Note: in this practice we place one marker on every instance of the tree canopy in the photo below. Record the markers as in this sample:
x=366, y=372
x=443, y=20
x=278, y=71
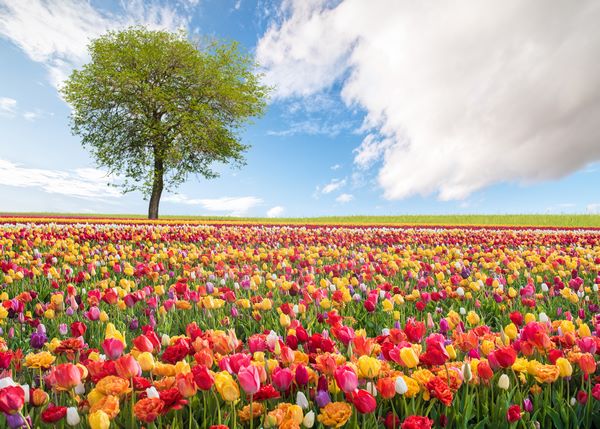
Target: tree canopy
x=154, y=107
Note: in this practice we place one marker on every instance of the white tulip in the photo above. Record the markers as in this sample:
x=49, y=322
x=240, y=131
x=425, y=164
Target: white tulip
x=151, y=392
x=79, y=389
x=371, y=389
x=73, y=418
x=467, y=372
x=504, y=382
x=7, y=381
x=301, y=400
x=25, y=388
x=401, y=387
x=309, y=419
x=460, y=291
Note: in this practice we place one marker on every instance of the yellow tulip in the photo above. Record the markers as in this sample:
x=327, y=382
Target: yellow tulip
x=511, y=331
x=409, y=357
x=564, y=367
x=368, y=367
x=99, y=420
x=146, y=361
x=226, y=386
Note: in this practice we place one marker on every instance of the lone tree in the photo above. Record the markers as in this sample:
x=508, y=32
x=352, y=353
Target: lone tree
x=154, y=107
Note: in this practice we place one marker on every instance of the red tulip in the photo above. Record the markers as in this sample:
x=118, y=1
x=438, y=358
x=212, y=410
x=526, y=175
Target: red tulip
x=12, y=399
x=513, y=414
x=587, y=363
x=127, y=367
x=386, y=387
x=436, y=353
x=346, y=378
x=554, y=354
x=143, y=344
x=301, y=375
x=202, y=376
x=364, y=402
x=596, y=391
x=78, y=329
x=414, y=330
x=186, y=385
x=484, y=371
x=66, y=376
x=53, y=413
x=392, y=421
x=417, y=422
x=505, y=356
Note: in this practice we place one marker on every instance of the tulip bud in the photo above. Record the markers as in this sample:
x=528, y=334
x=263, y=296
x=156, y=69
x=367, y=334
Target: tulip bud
x=401, y=387
x=73, y=418
x=504, y=382
x=39, y=398
x=309, y=419
x=467, y=372
x=79, y=389
x=301, y=400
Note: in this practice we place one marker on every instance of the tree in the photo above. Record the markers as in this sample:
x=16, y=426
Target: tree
x=153, y=107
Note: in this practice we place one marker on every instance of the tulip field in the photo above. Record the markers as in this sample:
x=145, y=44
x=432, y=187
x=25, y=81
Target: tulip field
x=126, y=323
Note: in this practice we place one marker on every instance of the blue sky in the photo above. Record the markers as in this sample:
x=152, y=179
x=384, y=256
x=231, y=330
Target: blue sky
x=359, y=122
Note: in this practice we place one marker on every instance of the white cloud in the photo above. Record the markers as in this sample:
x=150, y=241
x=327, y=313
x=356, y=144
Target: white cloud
x=312, y=127
x=275, y=211
x=31, y=116
x=371, y=150
x=334, y=185
x=237, y=5
x=88, y=183
x=344, y=198
x=56, y=32
x=335, y=167
x=7, y=106
x=458, y=95
x=235, y=206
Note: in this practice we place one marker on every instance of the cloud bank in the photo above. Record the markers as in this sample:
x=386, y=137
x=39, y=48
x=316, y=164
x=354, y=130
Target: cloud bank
x=87, y=183
x=235, y=206
x=56, y=32
x=457, y=95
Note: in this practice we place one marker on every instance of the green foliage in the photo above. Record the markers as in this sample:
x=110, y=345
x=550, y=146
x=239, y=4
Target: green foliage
x=149, y=96
x=553, y=221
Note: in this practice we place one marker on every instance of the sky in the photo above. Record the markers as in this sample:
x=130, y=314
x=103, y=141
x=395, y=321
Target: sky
x=378, y=108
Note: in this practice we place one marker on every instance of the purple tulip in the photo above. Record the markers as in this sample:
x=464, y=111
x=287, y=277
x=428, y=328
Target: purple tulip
x=322, y=398
x=37, y=340
x=528, y=405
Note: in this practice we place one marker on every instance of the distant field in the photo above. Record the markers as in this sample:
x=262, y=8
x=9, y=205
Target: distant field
x=504, y=220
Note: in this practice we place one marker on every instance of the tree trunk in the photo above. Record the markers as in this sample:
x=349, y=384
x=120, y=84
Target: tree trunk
x=157, y=185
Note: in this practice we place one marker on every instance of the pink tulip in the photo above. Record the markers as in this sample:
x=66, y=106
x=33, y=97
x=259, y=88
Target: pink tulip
x=113, y=348
x=249, y=378
x=282, y=378
x=346, y=378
